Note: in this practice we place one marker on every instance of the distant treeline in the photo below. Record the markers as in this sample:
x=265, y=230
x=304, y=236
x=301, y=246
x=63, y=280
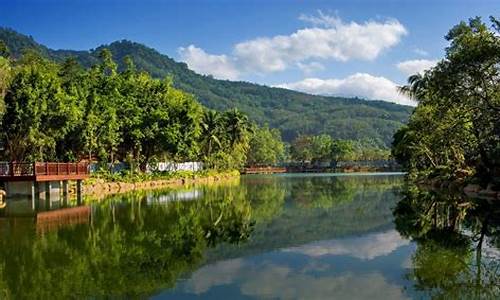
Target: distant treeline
x=290, y=111
x=63, y=112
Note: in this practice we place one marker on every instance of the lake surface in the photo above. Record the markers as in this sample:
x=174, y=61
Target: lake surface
x=289, y=236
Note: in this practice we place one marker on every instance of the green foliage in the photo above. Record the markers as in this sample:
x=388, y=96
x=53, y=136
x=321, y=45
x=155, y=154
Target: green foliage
x=64, y=112
x=291, y=112
x=450, y=232
x=266, y=147
x=323, y=148
x=5, y=74
x=129, y=248
x=455, y=130
x=225, y=139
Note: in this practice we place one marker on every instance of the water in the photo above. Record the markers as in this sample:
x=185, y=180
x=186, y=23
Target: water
x=260, y=237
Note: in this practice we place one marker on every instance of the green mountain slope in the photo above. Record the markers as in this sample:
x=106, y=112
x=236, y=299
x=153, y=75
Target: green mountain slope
x=292, y=112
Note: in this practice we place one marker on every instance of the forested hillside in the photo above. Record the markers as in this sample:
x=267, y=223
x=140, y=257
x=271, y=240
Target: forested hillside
x=292, y=112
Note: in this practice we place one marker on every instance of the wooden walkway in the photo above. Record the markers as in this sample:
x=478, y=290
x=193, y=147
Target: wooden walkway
x=43, y=171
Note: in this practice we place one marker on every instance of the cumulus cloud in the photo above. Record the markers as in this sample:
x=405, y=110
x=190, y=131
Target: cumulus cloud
x=337, y=41
x=220, y=66
x=270, y=280
x=277, y=282
x=329, y=38
x=366, y=247
x=311, y=67
x=410, y=67
x=359, y=84
x=220, y=273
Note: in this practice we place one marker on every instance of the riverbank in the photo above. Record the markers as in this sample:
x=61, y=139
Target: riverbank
x=100, y=188
x=490, y=191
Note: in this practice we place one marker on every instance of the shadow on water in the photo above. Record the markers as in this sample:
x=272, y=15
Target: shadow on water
x=458, y=241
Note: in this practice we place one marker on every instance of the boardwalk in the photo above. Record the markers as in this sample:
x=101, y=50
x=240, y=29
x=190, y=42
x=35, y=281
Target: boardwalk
x=43, y=171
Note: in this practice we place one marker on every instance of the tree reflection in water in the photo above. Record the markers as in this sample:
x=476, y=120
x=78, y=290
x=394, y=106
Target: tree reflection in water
x=457, y=240
x=128, y=249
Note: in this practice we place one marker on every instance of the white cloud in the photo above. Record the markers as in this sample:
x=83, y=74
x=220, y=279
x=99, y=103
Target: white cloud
x=309, y=68
x=410, y=67
x=220, y=66
x=339, y=41
x=220, y=273
x=278, y=282
x=420, y=52
x=329, y=38
x=321, y=19
x=359, y=84
x=366, y=247
x=265, y=280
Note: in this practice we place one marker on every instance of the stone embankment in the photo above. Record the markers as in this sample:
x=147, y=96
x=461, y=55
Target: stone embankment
x=99, y=188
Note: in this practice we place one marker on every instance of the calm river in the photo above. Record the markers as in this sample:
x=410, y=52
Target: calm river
x=286, y=236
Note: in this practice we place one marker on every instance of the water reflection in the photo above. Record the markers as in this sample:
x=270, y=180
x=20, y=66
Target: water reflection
x=364, y=247
x=287, y=237
x=127, y=248
x=457, y=240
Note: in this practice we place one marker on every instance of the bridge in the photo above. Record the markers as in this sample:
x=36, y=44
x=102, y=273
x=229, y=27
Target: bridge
x=43, y=171
x=25, y=179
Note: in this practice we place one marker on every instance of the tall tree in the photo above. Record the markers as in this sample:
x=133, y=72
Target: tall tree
x=456, y=126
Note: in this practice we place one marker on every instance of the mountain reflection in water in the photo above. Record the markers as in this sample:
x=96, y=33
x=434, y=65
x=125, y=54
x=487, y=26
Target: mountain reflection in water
x=264, y=236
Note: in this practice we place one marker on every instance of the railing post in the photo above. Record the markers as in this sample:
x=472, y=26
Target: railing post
x=46, y=168
x=34, y=168
x=11, y=169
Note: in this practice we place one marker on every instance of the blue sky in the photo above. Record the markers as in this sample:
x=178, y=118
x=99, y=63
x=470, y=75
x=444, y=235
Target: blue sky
x=353, y=48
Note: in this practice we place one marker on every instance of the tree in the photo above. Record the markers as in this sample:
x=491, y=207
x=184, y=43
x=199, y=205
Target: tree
x=321, y=148
x=4, y=50
x=210, y=132
x=266, y=147
x=455, y=129
x=237, y=127
x=37, y=113
x=301, y=149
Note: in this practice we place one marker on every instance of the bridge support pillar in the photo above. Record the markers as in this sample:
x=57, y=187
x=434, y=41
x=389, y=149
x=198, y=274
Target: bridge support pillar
x=65, y=191
x=79, y=192
x=35, y=195
x=48, y=188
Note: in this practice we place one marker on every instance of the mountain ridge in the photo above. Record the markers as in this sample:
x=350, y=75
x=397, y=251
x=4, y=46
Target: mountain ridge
x=292, y=112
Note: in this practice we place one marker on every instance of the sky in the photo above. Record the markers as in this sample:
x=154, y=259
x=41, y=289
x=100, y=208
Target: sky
x=345, y=48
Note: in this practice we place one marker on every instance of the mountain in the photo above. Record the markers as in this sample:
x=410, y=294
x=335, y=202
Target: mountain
x=290, y=111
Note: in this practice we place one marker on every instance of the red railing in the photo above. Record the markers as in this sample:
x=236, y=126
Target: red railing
x=43, y=169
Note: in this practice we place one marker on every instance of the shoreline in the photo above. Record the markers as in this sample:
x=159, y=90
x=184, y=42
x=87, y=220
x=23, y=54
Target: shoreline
x=471, y=190
x=101, y=188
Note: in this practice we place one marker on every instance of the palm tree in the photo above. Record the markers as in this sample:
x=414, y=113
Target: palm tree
x=237, y=125
x=415, y=87
x=211, y=128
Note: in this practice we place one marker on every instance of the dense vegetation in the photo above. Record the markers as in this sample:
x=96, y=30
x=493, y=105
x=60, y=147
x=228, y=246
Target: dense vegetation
x=317, y=149
x=455, y=130
x=292, y=112
x=63, y=112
